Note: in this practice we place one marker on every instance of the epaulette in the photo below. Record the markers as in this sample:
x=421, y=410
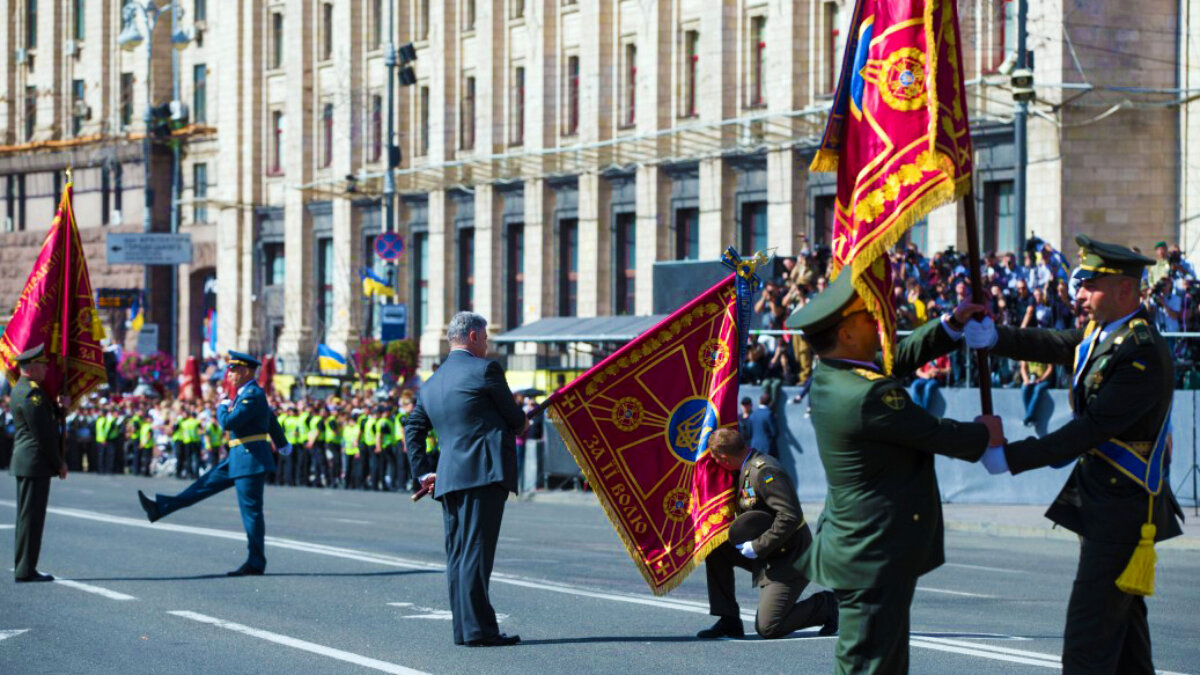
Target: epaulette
x=868, y=374
x=1140, y=331
x=758, y=463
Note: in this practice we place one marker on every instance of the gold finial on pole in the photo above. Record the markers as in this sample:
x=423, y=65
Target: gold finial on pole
x=70, y=170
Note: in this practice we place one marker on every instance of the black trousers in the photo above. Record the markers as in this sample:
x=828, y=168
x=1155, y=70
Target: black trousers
x=779, y=615
x=1107, y=630
x=33, y=495
x=472, y=518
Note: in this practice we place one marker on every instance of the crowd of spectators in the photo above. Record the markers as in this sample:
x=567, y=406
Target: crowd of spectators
x=1031, y=287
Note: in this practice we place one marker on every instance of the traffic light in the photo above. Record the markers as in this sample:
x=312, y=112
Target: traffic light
x=1022, y=85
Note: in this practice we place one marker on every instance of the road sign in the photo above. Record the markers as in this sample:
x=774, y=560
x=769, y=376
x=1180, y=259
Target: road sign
x=147, y=339
x=145, y=248
x=389, y=246
x=393, y=321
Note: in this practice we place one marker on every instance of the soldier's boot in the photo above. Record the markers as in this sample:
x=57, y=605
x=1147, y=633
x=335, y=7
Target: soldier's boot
x=726, y=626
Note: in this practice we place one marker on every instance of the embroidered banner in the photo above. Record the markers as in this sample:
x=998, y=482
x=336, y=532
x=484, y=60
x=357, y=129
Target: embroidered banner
x=898, y=137
x=57, y=309
x=638, y=425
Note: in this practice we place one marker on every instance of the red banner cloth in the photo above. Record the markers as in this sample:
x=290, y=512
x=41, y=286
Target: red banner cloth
x=898, y=137
x=638, y=425
x=57, y=309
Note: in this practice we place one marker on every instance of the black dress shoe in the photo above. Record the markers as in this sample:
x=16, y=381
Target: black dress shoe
x=726, y=626
x=500, y=640
x=36, y=576
x=830, y=627
x=245, y=571
x=149, y=506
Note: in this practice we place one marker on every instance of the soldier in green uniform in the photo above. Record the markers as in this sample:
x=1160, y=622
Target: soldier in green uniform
x=1121, y=395
x=765, y=491
x=37, y=457
x=881, y=527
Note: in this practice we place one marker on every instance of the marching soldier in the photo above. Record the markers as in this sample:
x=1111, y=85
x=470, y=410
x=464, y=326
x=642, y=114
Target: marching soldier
x=37, y=457
x=882, y=523
x=1117, y=494
x=767, y=537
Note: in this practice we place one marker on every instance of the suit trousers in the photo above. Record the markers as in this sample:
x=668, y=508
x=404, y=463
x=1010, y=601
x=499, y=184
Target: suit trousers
x=33, y=495
x=250, y=503
x=873, y=629
x=1107, y=630
x=472, y=518
x=779, y=615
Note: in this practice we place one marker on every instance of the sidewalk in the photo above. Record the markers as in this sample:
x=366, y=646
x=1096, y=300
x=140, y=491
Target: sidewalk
x=997, y=520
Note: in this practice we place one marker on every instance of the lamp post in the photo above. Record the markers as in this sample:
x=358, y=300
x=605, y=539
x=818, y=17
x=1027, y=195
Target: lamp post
x=146, y=13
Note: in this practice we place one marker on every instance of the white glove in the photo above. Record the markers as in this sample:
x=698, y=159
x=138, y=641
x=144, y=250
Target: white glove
x=225, y=402
x=981, y=334
x=747, y=549
x=993, y=460
x=286, y=450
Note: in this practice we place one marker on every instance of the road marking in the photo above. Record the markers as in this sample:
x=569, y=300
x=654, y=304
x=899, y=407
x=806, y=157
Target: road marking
x=983, y=568
x=1042, y=661
x=944, y=591
x=7, y=527
x=111, y=595
x=5, y=634
x=351, y=521
x=311, y=647
x=432, y=612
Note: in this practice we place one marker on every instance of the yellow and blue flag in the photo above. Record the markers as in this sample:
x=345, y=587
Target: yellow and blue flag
x=373, y=284
x=329, y=360
x=137, y=317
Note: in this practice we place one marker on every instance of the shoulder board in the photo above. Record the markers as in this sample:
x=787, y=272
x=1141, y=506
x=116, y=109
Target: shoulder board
x=1140, y=331
x=868, y=374
x=758, y=463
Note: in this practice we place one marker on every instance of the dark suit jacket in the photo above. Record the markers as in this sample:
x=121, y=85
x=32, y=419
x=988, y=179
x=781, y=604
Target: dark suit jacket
x=470, y=405
x=764, y=486
x=761, y=428
x=250, y=415
x=36, y=435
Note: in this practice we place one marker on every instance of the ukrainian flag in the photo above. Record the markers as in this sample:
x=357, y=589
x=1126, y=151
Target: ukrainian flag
x=136, y=316
x=373, y=284
x=329, y=360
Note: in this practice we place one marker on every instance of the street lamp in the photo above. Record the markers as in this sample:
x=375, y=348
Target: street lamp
x=140, y=18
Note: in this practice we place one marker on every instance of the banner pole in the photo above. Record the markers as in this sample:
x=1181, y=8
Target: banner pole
x=979, y=296
x=65, y=295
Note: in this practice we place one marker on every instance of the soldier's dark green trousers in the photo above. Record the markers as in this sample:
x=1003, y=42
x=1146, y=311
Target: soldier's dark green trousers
x=33, y=495
x=1106, y=631
x=873, y=629
x=779, y=614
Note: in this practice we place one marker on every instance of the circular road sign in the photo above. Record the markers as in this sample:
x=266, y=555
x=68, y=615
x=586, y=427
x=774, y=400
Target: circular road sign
x=389, y=246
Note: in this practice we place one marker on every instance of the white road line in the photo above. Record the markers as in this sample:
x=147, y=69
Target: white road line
x=111, y=595
x=7, y=527
x=937, y=646
x=351, y=521
x=5, y=634
x=991, y=648
x=944, y=591
x=311, y=647
x=983, y=568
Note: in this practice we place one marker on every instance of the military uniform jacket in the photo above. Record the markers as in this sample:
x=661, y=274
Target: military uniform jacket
x=763, y=486
x=882, y=521
x=37, y=433
x=249, y=416
x=1124, y=393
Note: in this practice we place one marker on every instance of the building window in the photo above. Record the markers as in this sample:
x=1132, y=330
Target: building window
x=468, y=15
x=79, y=25
x=753, y=227
x=758, y=52
x=625, y=263
x=518, y=9
x=422, y=30
x=10, y=202
x=126, y=100
x=423, y=115
x=376, y=127
x=421, y=277
x=30, y=112
x=1004, y=32
x=691, y=60
x=277, y=128
x=273, y=264
x=200, y=10
x=78, y=107
x=823, y=219
x=277, y=40
x=200, y=193
x=327, y=135
x=467, y=123
x=31, y=24
x=324, y=284
x=326, y=31
x=466, y=269
x=835, y=43
x=518, y=106
x=377, y=24
x=999, y=218
x=687, y=234
x=568, y=267
x=572, y=125
x=515, y=290
x=200, y=93
x=630, y=88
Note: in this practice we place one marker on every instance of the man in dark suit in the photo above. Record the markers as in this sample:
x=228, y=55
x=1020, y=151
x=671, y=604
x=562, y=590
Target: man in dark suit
x=761, y=427
x=468, y=402
x=252, y=428
x=36, y=459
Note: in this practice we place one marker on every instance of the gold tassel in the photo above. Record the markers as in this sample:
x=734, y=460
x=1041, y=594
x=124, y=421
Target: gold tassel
x=1138, y=577
x=824, y=160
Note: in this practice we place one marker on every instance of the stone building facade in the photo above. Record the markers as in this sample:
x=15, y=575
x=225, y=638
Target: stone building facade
x=551, y=150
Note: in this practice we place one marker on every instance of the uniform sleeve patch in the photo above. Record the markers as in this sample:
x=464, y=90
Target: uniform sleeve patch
x=768, y=479
x=894, y=399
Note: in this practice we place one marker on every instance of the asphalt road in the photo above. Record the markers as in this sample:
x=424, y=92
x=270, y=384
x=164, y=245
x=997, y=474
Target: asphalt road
x=354, y=584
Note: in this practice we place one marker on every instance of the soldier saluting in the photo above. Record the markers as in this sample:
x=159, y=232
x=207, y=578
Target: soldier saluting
x=37, y=457
x=1121, y=394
